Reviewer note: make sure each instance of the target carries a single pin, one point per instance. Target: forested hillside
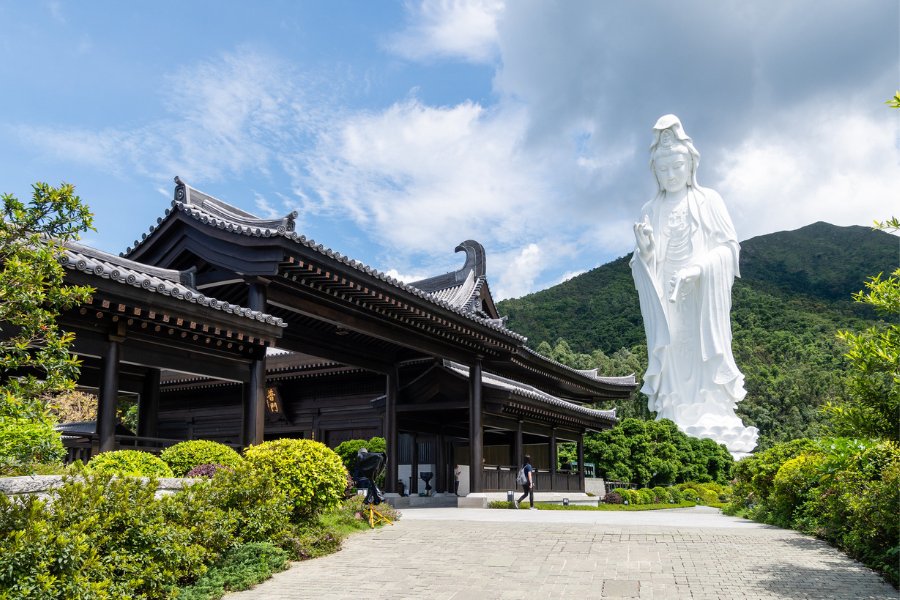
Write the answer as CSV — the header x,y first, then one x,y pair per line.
x,y
794,294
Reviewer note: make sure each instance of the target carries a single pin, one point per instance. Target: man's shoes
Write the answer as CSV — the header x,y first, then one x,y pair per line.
x,y
533,508
516,503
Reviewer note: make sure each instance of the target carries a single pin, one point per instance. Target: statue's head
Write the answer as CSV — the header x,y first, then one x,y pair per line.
x,y
673,158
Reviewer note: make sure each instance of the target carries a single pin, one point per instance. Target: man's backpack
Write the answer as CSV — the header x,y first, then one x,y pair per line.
x,y
522,478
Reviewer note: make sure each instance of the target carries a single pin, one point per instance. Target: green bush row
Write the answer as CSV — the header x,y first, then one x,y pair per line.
x,y
692,492
843,490
103,534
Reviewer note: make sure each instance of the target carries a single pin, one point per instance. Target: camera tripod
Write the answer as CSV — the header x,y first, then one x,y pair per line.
x,y
375,516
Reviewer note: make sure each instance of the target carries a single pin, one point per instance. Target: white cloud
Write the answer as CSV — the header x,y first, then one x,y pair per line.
x,y
519,274
821,163
464,29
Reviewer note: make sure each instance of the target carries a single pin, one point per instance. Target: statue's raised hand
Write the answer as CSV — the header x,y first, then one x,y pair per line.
x,y
643,236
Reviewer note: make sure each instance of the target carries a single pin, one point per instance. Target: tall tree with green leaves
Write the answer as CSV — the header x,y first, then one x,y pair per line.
x,y
34,353
871,407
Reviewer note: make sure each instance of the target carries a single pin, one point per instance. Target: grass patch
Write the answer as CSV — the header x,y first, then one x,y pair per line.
x,y
240,569
603,507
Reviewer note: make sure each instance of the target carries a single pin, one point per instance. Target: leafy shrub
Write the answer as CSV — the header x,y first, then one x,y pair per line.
x,y
646,496
25,442
630,496
100,537
613,498
129,463
312,475
792,486
206,470
675,495
349,449
842,490
661,495
241,568
184,456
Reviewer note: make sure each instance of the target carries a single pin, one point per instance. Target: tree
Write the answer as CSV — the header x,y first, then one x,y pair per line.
x,y
871,407
34,353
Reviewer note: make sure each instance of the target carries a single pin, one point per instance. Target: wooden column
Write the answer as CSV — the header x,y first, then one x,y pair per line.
x,y
518,457
254,407
390,430
554,460
476,431
109,395
148,405
441,468
581,461
414,467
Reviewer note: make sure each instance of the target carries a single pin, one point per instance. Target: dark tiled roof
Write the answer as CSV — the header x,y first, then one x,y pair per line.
x,y
215,213
533,393
624,380
167,282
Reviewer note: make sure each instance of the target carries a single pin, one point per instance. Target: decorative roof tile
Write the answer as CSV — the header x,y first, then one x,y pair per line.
x,y
166,282
216,213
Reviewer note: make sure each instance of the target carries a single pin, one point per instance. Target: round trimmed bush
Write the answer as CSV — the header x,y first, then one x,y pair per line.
x,y
184,456
661,495
631,496
311,474
133,463
675,495
646,496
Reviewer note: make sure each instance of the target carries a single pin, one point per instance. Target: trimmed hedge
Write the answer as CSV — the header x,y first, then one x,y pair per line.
x,y
184,456
132,463
310,473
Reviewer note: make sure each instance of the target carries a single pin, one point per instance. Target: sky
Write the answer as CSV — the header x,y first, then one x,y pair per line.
x,y
398,130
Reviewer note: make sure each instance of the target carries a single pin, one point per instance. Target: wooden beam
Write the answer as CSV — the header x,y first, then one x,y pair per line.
x,y
108,396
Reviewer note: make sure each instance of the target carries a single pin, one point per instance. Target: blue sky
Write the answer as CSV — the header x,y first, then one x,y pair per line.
x,y
398,130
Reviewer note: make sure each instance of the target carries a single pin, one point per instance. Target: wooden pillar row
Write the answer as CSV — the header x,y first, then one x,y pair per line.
x,y
554,460
581,461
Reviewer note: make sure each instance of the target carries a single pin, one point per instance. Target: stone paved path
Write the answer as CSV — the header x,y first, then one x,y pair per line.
x,y
484,554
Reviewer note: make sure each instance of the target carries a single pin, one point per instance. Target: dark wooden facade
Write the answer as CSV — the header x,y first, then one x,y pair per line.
x,y
430,366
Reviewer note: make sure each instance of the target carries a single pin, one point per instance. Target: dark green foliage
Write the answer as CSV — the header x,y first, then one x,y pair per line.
x,y
794,296
843,490
655,453
134,463
240,569
184,456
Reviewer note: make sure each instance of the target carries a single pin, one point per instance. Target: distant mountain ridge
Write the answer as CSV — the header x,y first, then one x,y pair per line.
x,y
599,309
793,296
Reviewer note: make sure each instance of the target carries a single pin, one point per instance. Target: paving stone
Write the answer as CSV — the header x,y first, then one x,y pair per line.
x,y
456,554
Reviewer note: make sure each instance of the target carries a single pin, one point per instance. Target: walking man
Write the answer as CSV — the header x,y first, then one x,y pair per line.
x,y
527,484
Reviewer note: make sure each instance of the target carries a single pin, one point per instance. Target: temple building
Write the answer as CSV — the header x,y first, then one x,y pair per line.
x,y
238,329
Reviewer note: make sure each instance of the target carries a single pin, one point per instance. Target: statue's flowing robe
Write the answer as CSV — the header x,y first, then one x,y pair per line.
x,y
691,370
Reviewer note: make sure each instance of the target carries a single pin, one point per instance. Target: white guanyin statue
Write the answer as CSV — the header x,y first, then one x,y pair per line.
x,y
684,264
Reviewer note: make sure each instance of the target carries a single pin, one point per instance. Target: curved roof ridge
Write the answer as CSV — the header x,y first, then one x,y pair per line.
x,y
589,373
275,228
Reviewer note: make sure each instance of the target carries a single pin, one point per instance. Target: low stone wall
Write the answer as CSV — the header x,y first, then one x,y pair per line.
x,y
42,485
595,486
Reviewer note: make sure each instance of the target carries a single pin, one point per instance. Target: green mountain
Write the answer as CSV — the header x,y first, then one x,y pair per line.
x,y
794,295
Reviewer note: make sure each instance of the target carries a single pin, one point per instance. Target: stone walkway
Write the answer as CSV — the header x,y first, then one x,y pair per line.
x,y
479,554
